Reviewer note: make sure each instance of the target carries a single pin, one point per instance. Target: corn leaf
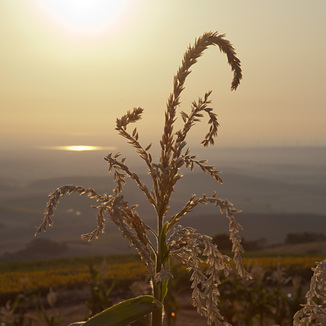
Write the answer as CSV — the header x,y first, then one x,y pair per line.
x,y
124,312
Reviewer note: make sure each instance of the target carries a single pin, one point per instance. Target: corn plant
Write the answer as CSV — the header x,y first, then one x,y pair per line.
x,y
50,316
172,240
99,291
313,311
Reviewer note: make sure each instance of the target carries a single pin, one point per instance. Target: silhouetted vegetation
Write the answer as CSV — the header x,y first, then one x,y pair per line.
x,y
224,243
304,237
37,249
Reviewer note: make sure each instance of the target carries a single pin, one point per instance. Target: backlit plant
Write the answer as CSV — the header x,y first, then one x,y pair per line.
x,y
184,244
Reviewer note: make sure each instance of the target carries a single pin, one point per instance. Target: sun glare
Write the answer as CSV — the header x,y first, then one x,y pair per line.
x,y
84,16
79,148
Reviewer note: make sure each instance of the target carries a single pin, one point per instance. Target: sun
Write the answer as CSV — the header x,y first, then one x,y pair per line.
x,y
84,16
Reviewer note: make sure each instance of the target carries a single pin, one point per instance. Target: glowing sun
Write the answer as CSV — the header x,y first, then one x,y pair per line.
x,y
84,16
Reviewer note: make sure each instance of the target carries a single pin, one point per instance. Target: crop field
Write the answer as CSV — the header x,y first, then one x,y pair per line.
x,y
65,273
278,282
72,273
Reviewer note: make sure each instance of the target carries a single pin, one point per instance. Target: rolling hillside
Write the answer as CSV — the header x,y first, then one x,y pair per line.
x,y
271,209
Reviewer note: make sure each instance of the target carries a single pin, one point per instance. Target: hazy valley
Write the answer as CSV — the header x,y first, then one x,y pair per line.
x,y
280,191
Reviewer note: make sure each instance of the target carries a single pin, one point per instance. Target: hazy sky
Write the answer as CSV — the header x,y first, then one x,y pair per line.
x,y
64,80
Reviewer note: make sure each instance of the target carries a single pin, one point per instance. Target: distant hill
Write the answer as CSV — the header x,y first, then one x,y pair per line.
x,y
272,227
272,207
250,193
318,248
38,248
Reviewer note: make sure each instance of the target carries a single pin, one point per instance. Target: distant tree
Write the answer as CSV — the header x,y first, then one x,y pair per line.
x,y
45,246
253,245
36,249
304,237
224,243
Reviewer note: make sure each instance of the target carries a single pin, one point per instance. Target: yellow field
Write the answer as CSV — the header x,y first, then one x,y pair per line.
x,y
294,262
64,277
15,282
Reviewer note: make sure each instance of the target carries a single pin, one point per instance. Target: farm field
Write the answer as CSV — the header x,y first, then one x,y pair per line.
x,y
73,281
72,273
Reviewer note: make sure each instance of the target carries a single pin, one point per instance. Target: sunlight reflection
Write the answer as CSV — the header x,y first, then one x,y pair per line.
x,y
80,148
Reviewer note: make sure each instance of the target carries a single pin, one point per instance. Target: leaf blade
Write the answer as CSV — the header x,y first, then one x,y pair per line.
x,y
125,312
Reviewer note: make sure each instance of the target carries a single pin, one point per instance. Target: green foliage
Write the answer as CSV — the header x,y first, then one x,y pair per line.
x,y
50,317
271,297
100,292
16,314
124,312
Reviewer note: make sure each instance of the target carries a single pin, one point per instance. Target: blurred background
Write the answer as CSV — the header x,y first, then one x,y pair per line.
x,y
68,69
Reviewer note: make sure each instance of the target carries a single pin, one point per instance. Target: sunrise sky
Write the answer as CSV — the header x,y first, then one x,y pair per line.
x,y
67,71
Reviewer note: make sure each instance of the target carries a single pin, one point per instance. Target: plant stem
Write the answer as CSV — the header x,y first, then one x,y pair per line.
x,y
157,315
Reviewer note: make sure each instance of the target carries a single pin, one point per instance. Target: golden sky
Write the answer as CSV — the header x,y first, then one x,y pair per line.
x,y
65,76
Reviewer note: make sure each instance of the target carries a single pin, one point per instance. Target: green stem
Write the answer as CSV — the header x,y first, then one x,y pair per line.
x,y
157,315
